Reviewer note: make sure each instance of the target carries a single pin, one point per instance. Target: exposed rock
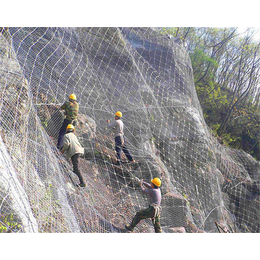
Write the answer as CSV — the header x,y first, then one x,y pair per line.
x,y
175,210
146,75
177,230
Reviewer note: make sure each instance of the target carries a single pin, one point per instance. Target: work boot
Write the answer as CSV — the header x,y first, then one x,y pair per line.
x,y
129,228
81,185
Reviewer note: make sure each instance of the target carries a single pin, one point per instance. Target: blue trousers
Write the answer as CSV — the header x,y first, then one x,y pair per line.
x,y
62,132
119,148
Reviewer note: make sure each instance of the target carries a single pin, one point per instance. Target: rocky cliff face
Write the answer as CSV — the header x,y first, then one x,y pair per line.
x,y
148,77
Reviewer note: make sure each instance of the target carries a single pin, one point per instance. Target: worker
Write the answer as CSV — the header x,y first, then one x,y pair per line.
x,y
153,211
71,108
120,145
73,150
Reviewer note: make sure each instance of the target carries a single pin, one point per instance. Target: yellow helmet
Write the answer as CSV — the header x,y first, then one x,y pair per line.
x,y
156,181
70,126
118,113
72,96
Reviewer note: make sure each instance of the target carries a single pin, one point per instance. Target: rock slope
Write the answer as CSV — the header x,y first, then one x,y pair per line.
x,y
147,76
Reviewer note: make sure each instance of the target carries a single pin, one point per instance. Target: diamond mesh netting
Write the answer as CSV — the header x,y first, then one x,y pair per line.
x,y
148,76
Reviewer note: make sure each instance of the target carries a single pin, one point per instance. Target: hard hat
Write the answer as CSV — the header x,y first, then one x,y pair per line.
x,y
118,113
72,96
70,126
156,181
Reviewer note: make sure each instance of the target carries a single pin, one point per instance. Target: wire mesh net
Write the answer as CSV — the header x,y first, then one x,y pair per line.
x,y
148,76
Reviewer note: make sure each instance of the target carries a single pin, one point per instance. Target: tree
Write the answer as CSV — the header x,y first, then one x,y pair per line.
x,y
226,73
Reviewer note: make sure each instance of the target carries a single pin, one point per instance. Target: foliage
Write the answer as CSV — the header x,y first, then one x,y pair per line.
x,y
9,225
226,69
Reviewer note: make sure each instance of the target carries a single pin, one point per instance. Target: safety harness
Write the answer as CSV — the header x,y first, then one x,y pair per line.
x,y
157,210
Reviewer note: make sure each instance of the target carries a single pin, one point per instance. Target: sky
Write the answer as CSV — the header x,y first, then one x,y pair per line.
x,y
256,29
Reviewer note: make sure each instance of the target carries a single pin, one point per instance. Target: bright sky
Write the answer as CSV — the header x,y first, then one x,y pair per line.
x,y
256,29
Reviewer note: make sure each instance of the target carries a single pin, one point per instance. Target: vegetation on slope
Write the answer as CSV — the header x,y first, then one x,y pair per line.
x,y
226,68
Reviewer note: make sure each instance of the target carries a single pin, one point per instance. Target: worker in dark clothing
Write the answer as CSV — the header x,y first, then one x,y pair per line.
x,y
71,108
73,150
120,145
153,211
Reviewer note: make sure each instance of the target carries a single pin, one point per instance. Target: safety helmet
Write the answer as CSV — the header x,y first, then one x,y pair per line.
x,y
70,127
72,96
118,113
156,181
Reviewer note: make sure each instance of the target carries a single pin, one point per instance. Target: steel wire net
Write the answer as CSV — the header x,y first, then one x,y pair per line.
x,y
148,76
